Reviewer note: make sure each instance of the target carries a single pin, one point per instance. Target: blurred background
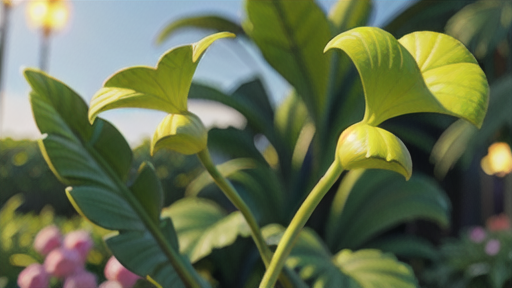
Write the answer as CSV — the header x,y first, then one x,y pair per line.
x,y
90,40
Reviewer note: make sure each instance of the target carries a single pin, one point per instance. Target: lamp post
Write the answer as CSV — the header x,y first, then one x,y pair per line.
x,y
47,15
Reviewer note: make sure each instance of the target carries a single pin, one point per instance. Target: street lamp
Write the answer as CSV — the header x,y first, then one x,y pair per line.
x,y
47,15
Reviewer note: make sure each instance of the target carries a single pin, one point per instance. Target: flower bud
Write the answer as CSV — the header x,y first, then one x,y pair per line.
x,y
369,147
117,272
63,262
184,133
80,241
47,239
33,276
81,279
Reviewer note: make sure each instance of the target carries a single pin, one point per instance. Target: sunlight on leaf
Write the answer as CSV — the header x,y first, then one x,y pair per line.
x,y
184,133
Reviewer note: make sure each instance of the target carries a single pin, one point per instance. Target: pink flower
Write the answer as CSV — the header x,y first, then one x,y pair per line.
x,y
33,276
111,284
79,240
81,279
116,271
492,247
47,239
63,262
477,234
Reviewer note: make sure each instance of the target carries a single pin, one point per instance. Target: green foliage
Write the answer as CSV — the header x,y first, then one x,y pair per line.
x,y
95,160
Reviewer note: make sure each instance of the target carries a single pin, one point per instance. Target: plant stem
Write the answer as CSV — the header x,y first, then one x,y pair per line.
x,y
183,268
299,220
288,279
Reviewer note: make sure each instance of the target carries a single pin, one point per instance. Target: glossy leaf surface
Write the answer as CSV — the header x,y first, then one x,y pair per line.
x,y
380,200
421,72
365,146
203,226
163,88
374,269
359,269
291,36
75,150
184,133
212,22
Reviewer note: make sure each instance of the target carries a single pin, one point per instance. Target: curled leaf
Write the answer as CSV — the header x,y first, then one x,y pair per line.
x,y
368,147
184,133
421,72
163,88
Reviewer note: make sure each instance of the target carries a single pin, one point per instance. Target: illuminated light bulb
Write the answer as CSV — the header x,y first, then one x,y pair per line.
x,y
49,14
498,161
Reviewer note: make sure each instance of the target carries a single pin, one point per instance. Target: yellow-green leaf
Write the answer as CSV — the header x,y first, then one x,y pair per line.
x,y
184,133
365,146
421,72
163,88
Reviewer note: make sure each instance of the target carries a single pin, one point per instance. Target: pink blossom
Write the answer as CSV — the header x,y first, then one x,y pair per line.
x,y
33,276
111,284
79,240
47,239
116,271
477,234
492,247
80,279
63,262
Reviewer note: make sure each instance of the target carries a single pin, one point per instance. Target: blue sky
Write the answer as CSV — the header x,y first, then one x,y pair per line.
x,y
103,36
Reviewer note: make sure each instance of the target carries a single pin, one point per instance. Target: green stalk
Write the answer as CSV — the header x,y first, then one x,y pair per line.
x,y
288,278
184,269
299,220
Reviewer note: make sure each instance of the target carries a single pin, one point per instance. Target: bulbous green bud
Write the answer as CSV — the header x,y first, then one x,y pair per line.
x,y
184,133
369,147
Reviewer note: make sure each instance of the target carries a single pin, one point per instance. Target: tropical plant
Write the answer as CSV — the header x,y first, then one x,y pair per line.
x,y
421,72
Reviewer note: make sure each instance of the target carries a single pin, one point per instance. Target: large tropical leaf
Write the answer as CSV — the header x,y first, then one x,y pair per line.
x,y
345,15
360,269
291,36
482,26
462,139
203,226
234,143
212,22
379,200
95,160
163,88
421,72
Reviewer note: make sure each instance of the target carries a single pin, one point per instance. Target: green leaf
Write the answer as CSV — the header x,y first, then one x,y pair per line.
x,y
291,36
148,191
368,147
345,15
250,99
212,22
234,143
141,254
374,269
378,201
163,88
406,246
184,133
311,259
482,25
422,72
290,118
463,140
202,226
83,156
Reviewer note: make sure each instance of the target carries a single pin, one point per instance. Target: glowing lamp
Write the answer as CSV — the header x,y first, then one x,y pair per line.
x,y
498,161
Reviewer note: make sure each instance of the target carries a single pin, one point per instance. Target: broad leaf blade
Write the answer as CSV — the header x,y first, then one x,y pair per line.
x,y
374,269
148,191
422,72
202,226
345,15
291,36
212,22
163,88
380,200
